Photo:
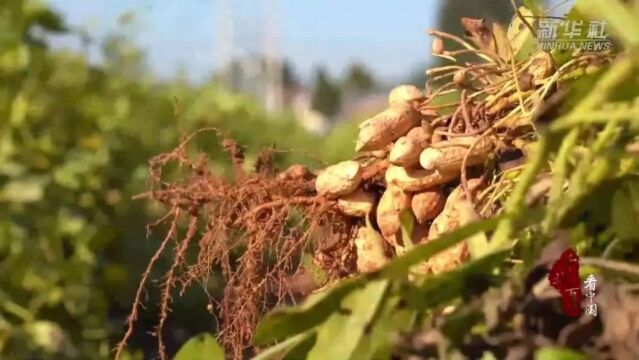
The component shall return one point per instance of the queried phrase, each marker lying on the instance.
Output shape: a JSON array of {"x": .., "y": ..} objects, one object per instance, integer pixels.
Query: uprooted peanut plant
[{"x": 460, "y": 196}]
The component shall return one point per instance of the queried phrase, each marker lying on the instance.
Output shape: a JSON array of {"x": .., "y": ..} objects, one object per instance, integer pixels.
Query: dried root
[{"x": 255, "y": 215}]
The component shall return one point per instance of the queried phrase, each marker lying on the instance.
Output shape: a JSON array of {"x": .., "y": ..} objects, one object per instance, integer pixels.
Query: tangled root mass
[{"x": 251, "y": 227}]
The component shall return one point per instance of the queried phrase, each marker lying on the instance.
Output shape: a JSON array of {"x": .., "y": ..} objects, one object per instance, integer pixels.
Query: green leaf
[
  {"x": 46, "y": 335},
  {"x": 200, "y": 347},
  {"x": 624, "y": 217},
  {"x": 562, "y": 56},
  {"x": 477, "y": 243},
  {"x": 487, "y": 355},
  {"x": 19, "y": 108},
  {"x": 462, "y": 321},
  {"x": 286, "y": 347},
  {"x": 556, "y": 353},
  {"x": 521, "y": 40},
  {"x": 390, "y": 318},
  {"x": 407, "y": 223},
  {"x": 422, "y": 252},
  {"x": 439, "y": 289},
  {"x": 285, "y": 322},
  {"x": 318, "y": 274},
  {"x": 300, "y": 350},
  {"x": 535, "y": 6},
  {"x": 40, "y": 14},
  {"x": 342, "y": 332},
  {"x": 619, "y": 18},
  {"x": 23, "y": 191}
]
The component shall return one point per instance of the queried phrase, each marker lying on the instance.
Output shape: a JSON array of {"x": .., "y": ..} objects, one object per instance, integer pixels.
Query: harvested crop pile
[{"x": 436, "y": 160}]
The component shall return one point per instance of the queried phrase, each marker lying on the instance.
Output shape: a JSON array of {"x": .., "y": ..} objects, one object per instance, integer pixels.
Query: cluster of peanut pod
[{"x": 421, "y": 163}]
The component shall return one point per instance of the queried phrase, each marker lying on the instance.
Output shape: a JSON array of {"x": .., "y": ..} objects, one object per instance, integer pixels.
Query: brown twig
[
  {"x": 137, "y": 302},
  {"x": 469, "y": 127},
  {"x": 464, "y": 176},
  {"x": 298, "y": 200},
  {"x": 170, "y": 281},
  {"x": 453, "y": 120}
]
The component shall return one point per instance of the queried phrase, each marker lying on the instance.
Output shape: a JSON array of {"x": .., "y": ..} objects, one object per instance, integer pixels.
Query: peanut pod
[
  {"x": 417, "y": 179},
  {"x": 358, "y": 203},
  {"x": 406, "y": 150},
  {"x": 295, "y": 172},
  {"x": 391, "y": 204},
  {"x": 457, "y": 212},
  {"x": 427, "y": 204},
  {"x": 386, "y": 127},
  {"x": 449, "y": 156},
  {"x": 339, "y": 179},
  {"x": 403, "y": 94},
  {"x": 369, "y": 247}
]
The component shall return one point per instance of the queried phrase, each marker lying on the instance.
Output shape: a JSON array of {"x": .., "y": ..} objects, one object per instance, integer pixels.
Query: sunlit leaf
[
  {"x": 421, "y": 252},
  {"x": 47, "y": 335},
  {"x": 522, "y": 42},
  {"x": 556, "y": 353},
  {"x": 618, "y": 16},
  {"x": 283, "y": 348},
  {"x": 282, "y": 323},
  {"x": 23, "y": 191},
  {"x": 19, "y": 109},
  {"x": 535, "y": 6},
  {"x": 200, "y": 347},
  {"x": 390, "y": 318},
  {"x": 341, "y": 333},
  {"x": 438, "y": 289},
  {"x": 625, "y": 216},
  {"x": 285, "y": 322}
]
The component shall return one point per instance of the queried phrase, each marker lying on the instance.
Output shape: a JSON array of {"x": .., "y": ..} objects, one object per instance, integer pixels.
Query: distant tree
[
  {"x": 359, "y": 78},
  {"x": 327, "y": 97},
  {"x": 289, "y": 78},
  {"x": 232, "y": 76}
]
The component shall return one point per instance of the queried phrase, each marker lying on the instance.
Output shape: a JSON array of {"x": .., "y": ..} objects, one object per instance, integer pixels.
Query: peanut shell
[
  {"x": 386, "y": 127},
  {"x": 369, "y": 247},
  {"x": 357, "y": 204},
  {"x": 457, "y": 212},
  {"x": 390, "y": 205},
  {"x": 339, "y": 179},
  {"x": 403, "y": 94},
  {"x": 448, "y": 156},
  {"x": 417, "y": 179},
  {"x": 427, "y": 204}
]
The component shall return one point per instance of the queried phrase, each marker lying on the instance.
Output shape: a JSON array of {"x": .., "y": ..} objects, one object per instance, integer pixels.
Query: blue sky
[{"x": 388, "y": 36}]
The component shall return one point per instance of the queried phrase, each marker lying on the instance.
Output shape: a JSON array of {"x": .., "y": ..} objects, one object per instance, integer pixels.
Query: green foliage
[
  {"x": 619, "y": 15},
  {"x": 551, "y": 353},
  {"x": 340, "y": 143},
  {"x": 522, "y": 42},
  {"x": 336, "y": 308},
  {"x": 341, "y": 334},
  {"x": 200, "y": 347},
  {"x": 75, "y": 139}
]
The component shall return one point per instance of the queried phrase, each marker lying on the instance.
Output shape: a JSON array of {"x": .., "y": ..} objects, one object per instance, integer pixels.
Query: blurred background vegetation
[{"x": 75, "y": 138}]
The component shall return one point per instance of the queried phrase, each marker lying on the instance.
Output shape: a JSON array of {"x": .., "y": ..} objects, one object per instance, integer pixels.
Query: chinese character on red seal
[{"x": 564, "y": 276}]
